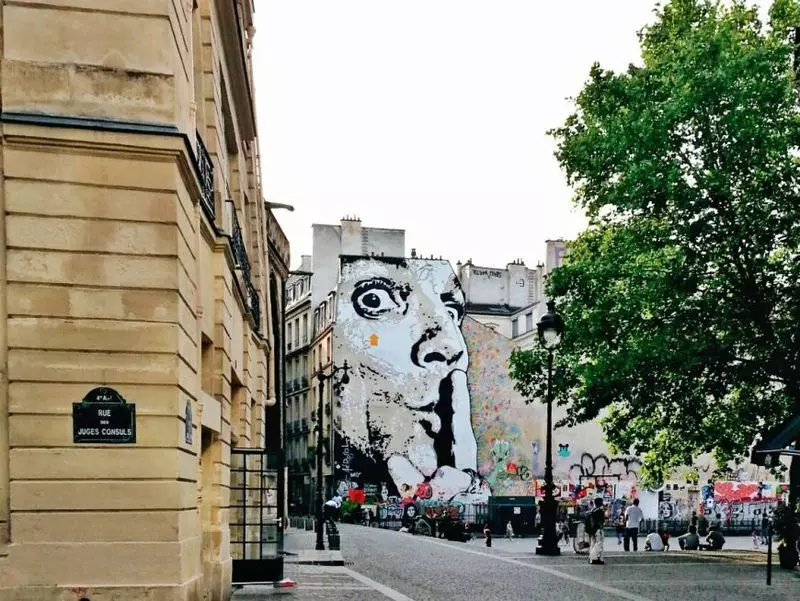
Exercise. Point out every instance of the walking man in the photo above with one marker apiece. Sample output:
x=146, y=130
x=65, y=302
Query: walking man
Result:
x=633, y=517
x=594, y=528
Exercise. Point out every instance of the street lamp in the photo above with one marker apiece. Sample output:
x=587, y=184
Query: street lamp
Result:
x=277, y=205
x=551, y=330
x=322, y=377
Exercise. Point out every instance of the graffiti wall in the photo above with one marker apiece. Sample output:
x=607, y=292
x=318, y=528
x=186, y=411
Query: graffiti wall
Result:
x=426, y=411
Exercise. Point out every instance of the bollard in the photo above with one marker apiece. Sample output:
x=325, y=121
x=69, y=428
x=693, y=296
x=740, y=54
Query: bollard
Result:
x=333, y=542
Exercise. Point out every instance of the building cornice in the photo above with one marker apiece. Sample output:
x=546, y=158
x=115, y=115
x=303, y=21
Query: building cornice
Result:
x=17, y=129
x=54, y=124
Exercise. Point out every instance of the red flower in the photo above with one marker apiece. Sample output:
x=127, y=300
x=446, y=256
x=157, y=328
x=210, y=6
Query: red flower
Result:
x=511, y=468
x=424, y=490
x=357, y=495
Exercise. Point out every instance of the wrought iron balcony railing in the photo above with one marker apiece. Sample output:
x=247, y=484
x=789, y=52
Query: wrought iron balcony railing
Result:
x=255, y=304
x=243, y=264
x=206, y=172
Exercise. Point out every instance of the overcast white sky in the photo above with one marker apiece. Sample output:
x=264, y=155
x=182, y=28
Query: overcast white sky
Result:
x=430, y=115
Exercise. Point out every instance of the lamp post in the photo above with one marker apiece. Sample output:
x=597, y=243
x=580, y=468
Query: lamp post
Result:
x=551, y=330
x=322, y=377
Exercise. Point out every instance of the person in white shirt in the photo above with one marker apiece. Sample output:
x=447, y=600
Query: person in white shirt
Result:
x=633, y=517
x=653, y=542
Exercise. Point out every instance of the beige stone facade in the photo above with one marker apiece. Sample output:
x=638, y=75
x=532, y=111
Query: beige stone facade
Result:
x=137, y=253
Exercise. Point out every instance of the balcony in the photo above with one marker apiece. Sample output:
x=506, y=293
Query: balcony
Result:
x=205, y=171
x=242, y=263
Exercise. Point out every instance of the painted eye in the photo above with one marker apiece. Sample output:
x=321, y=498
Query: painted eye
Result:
x=373, y=302
x=456, y=312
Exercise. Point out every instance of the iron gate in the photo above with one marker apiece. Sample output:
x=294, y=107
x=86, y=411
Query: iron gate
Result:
x=256, y=539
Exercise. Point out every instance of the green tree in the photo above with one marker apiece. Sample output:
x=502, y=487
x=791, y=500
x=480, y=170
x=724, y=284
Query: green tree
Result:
x=682, y=297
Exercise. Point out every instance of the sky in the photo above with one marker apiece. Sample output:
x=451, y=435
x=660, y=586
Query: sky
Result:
x=430, y=115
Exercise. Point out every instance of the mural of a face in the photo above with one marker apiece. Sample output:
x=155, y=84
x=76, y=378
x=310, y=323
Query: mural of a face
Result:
x=406, y=402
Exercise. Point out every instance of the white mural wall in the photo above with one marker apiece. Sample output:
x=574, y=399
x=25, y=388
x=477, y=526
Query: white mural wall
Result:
x=404, y=422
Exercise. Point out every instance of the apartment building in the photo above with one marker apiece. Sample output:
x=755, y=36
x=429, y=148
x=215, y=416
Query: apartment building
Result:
x=510, y=299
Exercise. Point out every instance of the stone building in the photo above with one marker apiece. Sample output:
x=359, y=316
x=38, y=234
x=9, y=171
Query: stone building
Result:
x=299, y=324
x=510, y=299
x=138, y=258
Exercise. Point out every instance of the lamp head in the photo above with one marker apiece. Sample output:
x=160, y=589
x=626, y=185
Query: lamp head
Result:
x=551, y=327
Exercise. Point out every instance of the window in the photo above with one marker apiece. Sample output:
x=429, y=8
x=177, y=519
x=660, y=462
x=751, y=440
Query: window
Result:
x=297, y=332
x=529, y=321
x=289, y=336
x=515, y=327
x=305, y=329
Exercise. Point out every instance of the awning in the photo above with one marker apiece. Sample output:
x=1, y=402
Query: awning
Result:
x=776, y=442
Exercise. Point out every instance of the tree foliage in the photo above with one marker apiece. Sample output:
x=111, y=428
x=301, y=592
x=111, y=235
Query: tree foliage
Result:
x=682, y=297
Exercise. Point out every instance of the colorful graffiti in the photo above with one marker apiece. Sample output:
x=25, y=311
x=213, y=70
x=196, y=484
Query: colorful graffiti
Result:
x=726, y=501
x=406, y=419
x=600, y=468
x=506, y=428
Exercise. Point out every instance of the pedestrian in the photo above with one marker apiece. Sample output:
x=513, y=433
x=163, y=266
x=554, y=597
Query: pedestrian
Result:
x=702, y=526
x=714, y=541
x=594, y=528
x=633, y=517
x=664, y=534
x=756, y=540
x=487, y=534
x=694, y=520
x=689, y=541
x=537, y=519
x=509, y=530
x=764, y=528
x=653, y=542
x=620, y=527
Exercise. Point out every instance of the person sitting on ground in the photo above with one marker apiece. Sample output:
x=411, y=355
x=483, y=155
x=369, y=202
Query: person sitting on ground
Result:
x=664, y=534
x=653, y=542
x=689, y=541
x=714, y=540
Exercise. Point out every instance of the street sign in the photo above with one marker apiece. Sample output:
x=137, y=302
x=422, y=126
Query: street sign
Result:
x=103, y=417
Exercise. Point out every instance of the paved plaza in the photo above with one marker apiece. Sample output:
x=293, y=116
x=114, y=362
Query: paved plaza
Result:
x=382, y=564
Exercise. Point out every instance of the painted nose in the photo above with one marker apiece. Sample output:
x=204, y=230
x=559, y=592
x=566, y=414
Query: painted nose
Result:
x=438, y=346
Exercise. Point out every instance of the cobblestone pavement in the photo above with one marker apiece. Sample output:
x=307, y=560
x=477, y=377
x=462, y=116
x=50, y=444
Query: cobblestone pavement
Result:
x=402, y=567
